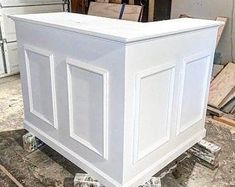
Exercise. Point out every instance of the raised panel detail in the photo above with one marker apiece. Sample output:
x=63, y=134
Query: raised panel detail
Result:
x=154, y=95
x=41, y=84
x=194, y=79
x=88, y=109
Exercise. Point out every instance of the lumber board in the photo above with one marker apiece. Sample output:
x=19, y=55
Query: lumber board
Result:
x=217, y=68
x=225, y=120
x=228, y=98
x=102, y=1
x=115, y=1
x=151, y=10
x=229, y=107
x=222, y=85
x=207, y=153
x=17, y=183
x=221, y=28
x=132, y=12
x=109, y=10
x=131, y=2
x=214, y=111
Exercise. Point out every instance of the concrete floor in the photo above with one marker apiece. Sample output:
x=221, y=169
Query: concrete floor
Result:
x=47, y=168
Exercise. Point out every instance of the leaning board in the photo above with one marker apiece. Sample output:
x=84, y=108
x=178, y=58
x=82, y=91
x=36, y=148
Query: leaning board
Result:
x=222, y=85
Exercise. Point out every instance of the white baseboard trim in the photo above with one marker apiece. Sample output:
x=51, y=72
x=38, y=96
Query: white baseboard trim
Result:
x=159, y=164
x=72, y=156
x=103, y=177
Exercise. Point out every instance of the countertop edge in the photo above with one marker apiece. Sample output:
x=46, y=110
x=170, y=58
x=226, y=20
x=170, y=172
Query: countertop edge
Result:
x=113, y=37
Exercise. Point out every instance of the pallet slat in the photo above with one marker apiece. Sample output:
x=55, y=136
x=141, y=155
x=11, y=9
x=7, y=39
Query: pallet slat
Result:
x=108, y=10
x=225, y=120
x=132, y=12
x=222, y=85
x=221, y=28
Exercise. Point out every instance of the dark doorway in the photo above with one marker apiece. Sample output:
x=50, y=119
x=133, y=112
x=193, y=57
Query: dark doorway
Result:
x=162, y=10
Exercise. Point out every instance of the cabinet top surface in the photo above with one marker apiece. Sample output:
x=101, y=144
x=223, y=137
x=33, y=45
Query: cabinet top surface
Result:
x=114, y=29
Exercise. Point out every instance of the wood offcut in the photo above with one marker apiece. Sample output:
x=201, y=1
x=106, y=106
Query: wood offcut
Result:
x=225, y=120
x=221, y=28
x=4, y=170
x=222, y=85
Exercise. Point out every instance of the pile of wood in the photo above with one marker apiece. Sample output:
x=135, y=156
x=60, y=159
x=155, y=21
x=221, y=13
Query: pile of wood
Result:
x=222, y=89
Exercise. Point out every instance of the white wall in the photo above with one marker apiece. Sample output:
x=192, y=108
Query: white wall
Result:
x=210, y=9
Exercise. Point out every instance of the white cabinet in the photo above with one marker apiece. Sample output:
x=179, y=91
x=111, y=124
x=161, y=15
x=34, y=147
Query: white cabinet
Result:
x=119, y=99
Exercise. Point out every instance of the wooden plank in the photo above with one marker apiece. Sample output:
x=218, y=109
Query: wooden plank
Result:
x=225, y=120
x=229, y=107
x=115, y=1
x=109, y=10
x=79, y=6
x=222, y=85
x=214, y=111
x=132, y=12
x=131, y=2
x=217, y=68
x=228, y=98
x=151, y=10
x=102, y=1
x=207, y=153
x=221, y=28
x=85, y=180
x=11, y=176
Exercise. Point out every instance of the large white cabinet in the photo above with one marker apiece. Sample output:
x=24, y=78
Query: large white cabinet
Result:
x=120, y=99
x=8, y=53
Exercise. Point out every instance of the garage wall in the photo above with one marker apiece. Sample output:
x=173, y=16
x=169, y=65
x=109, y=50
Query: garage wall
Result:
x=210, y=9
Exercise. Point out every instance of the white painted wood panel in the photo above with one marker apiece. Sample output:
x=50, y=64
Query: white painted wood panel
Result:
x=122, y=107
x=154, y=93
x=41, y=84
x=194, y=84
x=88, y=105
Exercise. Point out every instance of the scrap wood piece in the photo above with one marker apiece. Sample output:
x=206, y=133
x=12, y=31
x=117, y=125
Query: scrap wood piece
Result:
x=210, y=147
x=31, y=142
x=228, y=98
x=109, y=10
x=115, y=1
x=229, y=107
x=222, y=85
x=132, y=12
x=233, y=110
x=221, y=28
x=131, y=2
x=4, y=170
x=217, y=68
x=151, y=10
x=225, y=120
x=85, y=180
x=214, y=111
x=102, y=1
x=185, y=16
x=207, y=153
